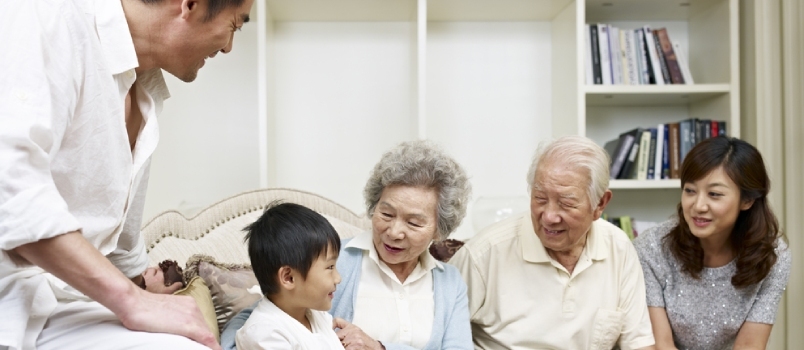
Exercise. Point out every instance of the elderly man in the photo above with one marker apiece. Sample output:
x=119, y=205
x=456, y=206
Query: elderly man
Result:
x=559, y=278
x=80, y=88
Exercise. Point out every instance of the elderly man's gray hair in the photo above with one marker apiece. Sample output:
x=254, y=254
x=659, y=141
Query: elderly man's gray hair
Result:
x=580, y=152
x=423, y=164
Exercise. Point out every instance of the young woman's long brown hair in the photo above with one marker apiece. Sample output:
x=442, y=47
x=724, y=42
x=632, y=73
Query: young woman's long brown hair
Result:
x=753, y=238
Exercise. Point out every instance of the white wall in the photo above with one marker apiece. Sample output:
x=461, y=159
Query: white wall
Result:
x=208, y=133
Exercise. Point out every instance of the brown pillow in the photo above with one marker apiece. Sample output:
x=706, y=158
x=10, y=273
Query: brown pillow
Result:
x=198, y=290
x=228, y=284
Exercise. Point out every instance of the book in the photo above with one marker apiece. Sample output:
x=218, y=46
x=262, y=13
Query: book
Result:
x=652, y=154
x=657, y=164
x=593, y=38
x=666, y=152
x=629, y=168
x=675, y=150
x=653, y=62
x=590, y=78
x=631, y=57
x=618, y=150
x=681, y=57
x=713, y=129
x=605, y=59
x=721, y=128
x=626, y=73
x=662, y=62
x=614, y=53
x=625, y=225
x=676, y=77
x=687, y=133
x=642, y=56
x=644, y=153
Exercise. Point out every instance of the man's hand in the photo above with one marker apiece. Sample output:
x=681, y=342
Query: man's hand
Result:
x=155, y=282
x=353, y=338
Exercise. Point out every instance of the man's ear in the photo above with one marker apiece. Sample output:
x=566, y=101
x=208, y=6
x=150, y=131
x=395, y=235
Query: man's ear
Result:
x=604, y=201
x=287, y=278
x=188, y=7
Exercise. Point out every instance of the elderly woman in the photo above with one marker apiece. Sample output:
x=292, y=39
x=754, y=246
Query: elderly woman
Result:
x=393, y=293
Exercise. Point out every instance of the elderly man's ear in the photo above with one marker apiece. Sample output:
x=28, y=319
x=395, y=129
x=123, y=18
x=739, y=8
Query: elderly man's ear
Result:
x=604, y=201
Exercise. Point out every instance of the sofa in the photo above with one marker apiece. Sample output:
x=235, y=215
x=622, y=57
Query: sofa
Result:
x=211, y=249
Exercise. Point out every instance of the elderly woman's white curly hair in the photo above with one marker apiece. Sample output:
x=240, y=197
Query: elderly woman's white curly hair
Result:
x=423, y=164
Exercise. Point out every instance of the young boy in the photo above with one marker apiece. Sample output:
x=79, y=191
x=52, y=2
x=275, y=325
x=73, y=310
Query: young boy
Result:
x=293, y=251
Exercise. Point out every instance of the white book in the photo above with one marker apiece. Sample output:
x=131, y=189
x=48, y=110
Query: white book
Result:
x=644, y=159
x=681, y=57
x=642, y=56
x=603, y=46
x=614, y=52
x=656, y=67
x=590, y=79
x=629, y=58
x=659, y=152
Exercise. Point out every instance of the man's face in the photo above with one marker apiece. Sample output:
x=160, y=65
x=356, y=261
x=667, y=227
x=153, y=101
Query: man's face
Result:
x=195, y=40
x=560, y=208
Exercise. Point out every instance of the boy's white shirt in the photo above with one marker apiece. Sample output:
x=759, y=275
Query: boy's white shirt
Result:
x=269, y=327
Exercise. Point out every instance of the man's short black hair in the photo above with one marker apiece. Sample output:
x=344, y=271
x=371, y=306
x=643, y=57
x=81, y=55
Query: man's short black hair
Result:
x=214, y=7
x=287, y=234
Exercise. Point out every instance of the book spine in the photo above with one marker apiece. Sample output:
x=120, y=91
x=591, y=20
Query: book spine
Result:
x=624, y=58
x=631, y=58
x=590, y=79
x=662, y=62
x=707, y=132
x=626, y=142
x=593, y=38
x=644, y=152
x=605, y=58
x=675, y=150
x=651, y=161
x=670, y=57
x=682, y=63
x=666, y=153
x=642, y=57
x=629, y=169
x=714, y=129
x=721, y=128
x=614, y=53
x=686, y=143
x=660, y=145
x=655, y=68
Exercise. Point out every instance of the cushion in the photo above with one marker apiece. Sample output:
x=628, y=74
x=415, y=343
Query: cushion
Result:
x=228, y=285
x=198, y=290
x=444, y=250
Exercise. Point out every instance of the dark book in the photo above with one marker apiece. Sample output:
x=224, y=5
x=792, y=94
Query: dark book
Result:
x=675, y=150
x=629, y=168
x=676, y=77
x=642, y=56
x=686, y=130
x=593, y=37
x=645, y=32
x=652, y=171
x=618, y=150
x=707, y=129
x=721, y=128
x=666, y=152
x=662, y=63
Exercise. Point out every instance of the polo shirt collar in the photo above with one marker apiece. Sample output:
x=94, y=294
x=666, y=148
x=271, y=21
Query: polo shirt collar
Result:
x=364, y=241
x=533, y=250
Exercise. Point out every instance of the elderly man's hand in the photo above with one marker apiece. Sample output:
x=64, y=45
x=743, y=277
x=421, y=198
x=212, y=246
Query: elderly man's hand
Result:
x=353, y=338
x=159, y=313
x=155, y=282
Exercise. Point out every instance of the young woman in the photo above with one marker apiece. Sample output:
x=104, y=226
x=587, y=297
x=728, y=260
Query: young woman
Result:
x=714, y=275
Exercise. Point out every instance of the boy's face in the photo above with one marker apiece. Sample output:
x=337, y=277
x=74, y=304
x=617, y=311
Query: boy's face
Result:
x=317, y=290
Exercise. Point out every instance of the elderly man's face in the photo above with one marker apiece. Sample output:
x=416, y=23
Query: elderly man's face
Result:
x=560, y=208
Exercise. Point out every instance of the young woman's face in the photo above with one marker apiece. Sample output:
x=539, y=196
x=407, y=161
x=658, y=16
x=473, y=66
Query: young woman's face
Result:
x=711, y=205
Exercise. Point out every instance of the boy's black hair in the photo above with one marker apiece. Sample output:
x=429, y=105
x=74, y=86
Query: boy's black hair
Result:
x=287, y=234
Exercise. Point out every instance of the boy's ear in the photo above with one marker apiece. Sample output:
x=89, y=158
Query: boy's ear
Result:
x=287, y=278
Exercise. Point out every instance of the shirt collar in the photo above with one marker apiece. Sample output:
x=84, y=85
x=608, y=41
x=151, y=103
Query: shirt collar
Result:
x=364, y=241
x=533, y=250
x=115, y=38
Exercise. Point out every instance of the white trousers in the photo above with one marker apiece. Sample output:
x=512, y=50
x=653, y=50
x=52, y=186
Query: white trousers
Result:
x=90, y=325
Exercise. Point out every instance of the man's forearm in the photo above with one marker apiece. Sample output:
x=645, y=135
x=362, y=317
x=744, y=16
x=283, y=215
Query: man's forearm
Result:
x=71, y=258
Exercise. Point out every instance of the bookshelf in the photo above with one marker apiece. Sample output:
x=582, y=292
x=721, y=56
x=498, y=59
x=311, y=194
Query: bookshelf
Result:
x=338, y=82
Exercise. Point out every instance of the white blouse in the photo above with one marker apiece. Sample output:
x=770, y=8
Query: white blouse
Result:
x=390, y=311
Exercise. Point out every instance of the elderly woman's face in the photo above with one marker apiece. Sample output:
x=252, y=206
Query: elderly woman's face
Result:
x=404, y=222
x=560, y=208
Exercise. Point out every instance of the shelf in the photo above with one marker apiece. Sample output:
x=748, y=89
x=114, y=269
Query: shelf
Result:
x=341, y=10
x=644, y=184
x=645, y=10
x=494, y=10
x=652, y=95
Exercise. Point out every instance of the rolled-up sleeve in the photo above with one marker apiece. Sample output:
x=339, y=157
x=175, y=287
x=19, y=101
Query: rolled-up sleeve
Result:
x=35, y=110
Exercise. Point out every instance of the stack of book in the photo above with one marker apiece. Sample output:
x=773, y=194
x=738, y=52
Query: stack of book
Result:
x=629, y=225
x=639, y=56
x=657, y=153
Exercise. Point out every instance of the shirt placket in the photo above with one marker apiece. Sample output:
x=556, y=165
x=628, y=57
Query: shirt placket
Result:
x=402, y=296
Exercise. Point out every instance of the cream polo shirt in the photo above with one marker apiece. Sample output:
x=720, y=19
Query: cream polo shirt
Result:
x=65, y=160
x=391, y=311
x=520, y=298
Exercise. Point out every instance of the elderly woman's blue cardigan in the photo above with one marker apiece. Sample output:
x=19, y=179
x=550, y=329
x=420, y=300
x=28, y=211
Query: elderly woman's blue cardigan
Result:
x=451, y=329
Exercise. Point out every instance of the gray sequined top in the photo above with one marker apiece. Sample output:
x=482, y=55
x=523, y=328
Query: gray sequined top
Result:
x=707, y=313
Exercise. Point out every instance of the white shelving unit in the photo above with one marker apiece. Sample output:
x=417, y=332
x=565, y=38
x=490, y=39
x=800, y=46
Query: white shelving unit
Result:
x=338, y=82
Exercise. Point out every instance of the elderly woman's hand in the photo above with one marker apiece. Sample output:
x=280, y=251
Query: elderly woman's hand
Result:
x=353, y=338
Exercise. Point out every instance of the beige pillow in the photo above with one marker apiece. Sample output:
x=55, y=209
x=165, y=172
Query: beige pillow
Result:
x=228, y=285
x=198, y=290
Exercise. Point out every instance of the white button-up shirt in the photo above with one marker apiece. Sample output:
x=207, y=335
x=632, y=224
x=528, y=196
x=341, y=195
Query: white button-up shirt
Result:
x=65, y=160
x=389, y=310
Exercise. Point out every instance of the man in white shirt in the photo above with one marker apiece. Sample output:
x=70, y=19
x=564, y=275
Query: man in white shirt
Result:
x=80, y=88
x=558, y=277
